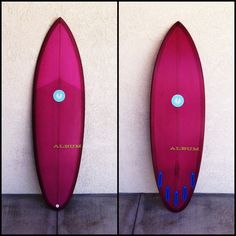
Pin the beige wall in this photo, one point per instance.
(142, 28)
(94, 28)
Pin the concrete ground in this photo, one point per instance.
(205, 214)
(97, 214)
(85, 214)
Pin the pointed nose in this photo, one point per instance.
(178, 23)
(59, 20)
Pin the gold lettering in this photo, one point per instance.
(67, 146)
(194, 149)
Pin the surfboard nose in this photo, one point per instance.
(178, 26)
(60, 19)
(178, 22)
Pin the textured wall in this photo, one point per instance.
(94, 28)
(142, 28)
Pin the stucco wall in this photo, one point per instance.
(94, 28)
(142, 28)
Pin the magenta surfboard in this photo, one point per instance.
(177, 118)
(58, 114)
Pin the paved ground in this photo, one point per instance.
(138, 214)
(206, 214)
(85, 214)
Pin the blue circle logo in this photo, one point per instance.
(59, 95)
(177, 100)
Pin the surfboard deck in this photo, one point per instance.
(58, 114)
(177, 118)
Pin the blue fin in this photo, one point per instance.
(185, 193)
(193, 181)
(176, 200)
(167, 196)
(159, 180)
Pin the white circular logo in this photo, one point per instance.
(177, 100)
(59, 95)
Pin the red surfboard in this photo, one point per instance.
(177, 118)
(58, 114)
